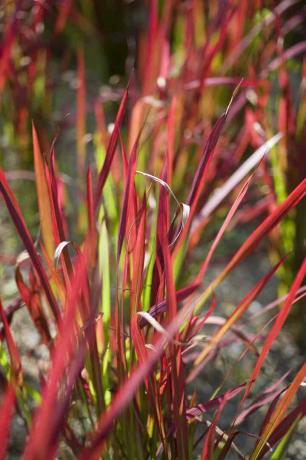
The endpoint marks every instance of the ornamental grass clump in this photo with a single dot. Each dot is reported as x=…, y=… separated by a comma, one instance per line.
x=130, y=319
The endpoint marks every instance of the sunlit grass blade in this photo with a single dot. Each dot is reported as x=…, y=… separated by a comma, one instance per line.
x=110, y=150
x=43, y=195
x=254, y=239
x=177, y=371
x=127, y=218
x=222, y=192
x=227, y=221
x=68, y=351
x=277, y=326
x=130, y=387
x=236, y=314
x=279, y=412
x=290, y=421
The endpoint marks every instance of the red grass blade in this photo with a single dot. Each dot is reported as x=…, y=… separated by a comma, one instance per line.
x=222, y=230
x=281, y=318
x=43, y=195
x=24, y=234
x=90, y=203
x=30, y=296
x=110, y=149
x=129, y=388
x=127, y=218
x=63, y=15
x=200, y=176
x=161, y=307
x=245, y=42
x=6, y=412
x=279, y=411
x=266, y=397
x=255, y=238
x=138, y=259
x=236, y=314
x=271, y=221
x=177, y=375
x=222, y=192
x=8, y=40
x=298, y=48
x=214, y=403
x=81, y=112
x=12, y=349
x=67, y=353
x=282, y=428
